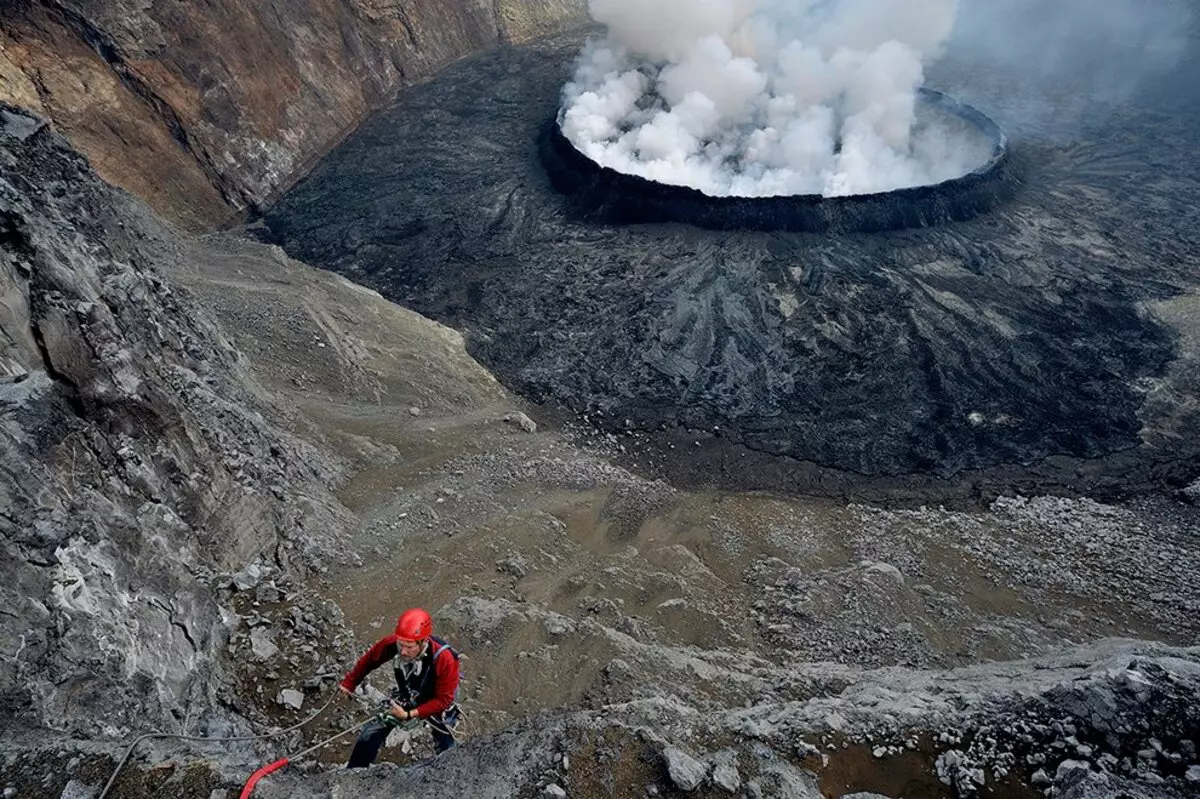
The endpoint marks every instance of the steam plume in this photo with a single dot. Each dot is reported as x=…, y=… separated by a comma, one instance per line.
x=765, y=97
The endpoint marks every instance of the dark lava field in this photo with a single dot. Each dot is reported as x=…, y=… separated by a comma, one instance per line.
x=1025, y=348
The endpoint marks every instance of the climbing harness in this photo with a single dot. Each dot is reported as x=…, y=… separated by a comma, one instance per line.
x=445, y=723
x=275, y=734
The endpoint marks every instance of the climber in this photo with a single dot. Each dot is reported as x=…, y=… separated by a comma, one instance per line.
x=427, y=678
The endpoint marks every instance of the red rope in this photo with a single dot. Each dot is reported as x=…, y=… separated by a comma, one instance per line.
x=283, y=761
x=262, y=772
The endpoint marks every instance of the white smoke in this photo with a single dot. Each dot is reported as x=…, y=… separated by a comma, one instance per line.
x=766, y=97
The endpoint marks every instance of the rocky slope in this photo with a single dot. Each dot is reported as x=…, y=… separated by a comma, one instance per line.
x=1073, y=722
x=205, y=109
x=139, y=462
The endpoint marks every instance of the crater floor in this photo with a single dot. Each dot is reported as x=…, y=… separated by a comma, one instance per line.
x=1046, y=345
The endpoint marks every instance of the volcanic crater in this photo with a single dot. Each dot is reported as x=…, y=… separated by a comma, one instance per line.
x=1018, y=336
x=604, y=194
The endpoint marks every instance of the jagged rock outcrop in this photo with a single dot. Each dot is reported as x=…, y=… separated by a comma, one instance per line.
x=1117, y=718
x=203, y=109
x=139, y=462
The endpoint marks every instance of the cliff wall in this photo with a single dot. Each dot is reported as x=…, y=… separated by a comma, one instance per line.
x=139, y=463
x=207, y=109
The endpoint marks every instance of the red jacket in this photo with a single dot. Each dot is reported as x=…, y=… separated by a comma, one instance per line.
x=441, y=685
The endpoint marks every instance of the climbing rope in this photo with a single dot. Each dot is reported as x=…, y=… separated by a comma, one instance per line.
x=278, y=764
x=248, y=789
x=275, y=734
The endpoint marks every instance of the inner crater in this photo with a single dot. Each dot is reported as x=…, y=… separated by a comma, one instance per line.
x=971, y=332
x=957, y=168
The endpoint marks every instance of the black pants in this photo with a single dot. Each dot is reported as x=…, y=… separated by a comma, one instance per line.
x=371, y=737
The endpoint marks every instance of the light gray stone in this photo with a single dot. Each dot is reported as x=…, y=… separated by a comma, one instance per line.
x=685, y=771
x=262, y=645
x=726, y=776
x=78, y=790
x=289, y=697
x=248, y=577
x=1067, y=767
x=518, y=419
x=885, y=569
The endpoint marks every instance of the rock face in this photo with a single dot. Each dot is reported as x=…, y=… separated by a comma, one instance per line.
x=138, y=462
x=204, y=109
x=1109, y=720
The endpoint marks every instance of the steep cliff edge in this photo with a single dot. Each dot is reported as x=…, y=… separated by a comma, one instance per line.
x=139, y=461
x=206, y=109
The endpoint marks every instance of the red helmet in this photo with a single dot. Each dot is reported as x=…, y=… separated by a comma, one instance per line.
x=414, y=624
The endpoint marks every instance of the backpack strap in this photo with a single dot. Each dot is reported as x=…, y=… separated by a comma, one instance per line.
x=441, y=646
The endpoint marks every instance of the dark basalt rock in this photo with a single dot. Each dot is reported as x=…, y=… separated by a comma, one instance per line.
x=606, y=195
x=1016, y=348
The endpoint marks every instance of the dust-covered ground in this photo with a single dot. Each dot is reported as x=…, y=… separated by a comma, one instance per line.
x=572, y=583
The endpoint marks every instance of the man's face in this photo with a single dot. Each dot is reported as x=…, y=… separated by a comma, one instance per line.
x=409, y=649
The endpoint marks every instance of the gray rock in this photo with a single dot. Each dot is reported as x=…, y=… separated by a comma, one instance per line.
x=865, y=795
x=1193, y=774
x=248, y=577
x=514, y=564
x=289, y=697
x=1066, y=767
x=956, y=770
x=19, y=125
x=554, y=790
x=725, y=775
x=167, y=434
x=685, y=771
x=836, y=721
x=267, y=592
x=518, y=419
x=885, y=569
x=1192, y=493
x=262, y=645
x=78, y=790
x=781, y=780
